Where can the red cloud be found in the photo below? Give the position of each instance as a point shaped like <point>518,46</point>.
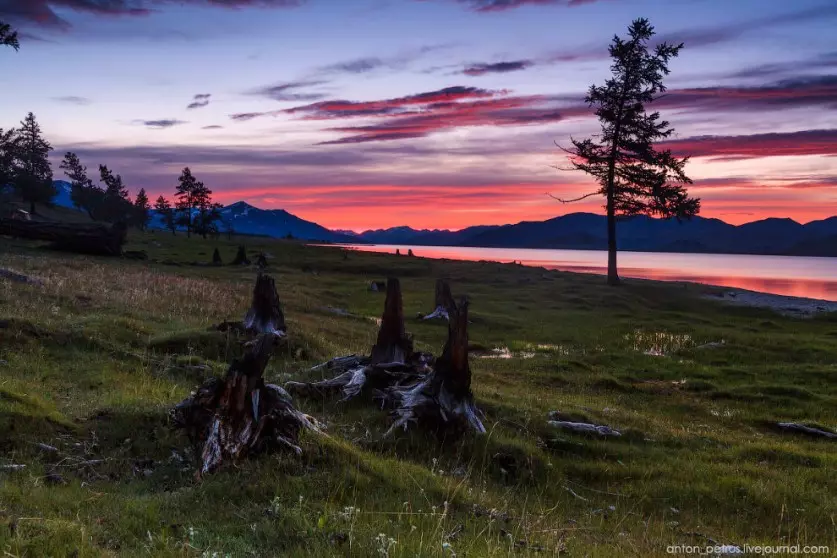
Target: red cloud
<point>807,142</point>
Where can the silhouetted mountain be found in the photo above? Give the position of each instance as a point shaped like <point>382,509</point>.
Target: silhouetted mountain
<point>579,231</point>
<point>587,231</point>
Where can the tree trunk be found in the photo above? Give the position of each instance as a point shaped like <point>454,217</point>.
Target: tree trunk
<point>265,314</point>
<point>84,238</point>
<point>443,302</point>
<point>612,272</point>
<point>32,207</point>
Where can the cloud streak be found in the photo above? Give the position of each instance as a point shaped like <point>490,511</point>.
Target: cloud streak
<point>488,6</point>
<point>199,101</point>
<point>807,142</point>
<point>162,124</point>
<point>42,12</point>
<point>497,68</point>
<point>290,91</point>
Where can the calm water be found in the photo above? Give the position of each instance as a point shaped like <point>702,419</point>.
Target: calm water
<point>785,275</point>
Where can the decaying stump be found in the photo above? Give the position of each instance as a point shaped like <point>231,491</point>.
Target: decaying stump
<point>444,395</point>
<point>240,415</point>
<point>261,261</point>
<point>265,312</point>
<point>377,286</point>
<point>241,257</point>
<point>392,360</point>
<point>444,301</point>
<point>84,238</point>
<point>216,258</point>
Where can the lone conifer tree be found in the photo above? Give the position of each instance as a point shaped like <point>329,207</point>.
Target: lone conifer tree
<point>8,36</point>
<point>163,207</point>
<point>33,177</point>
<point>634,177</point>
<point>185,196</point>
<point>8,157</point>
<point>84,194</point>
<point>141,208</point>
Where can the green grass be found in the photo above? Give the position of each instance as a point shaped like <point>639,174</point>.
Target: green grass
<point>93,360</point>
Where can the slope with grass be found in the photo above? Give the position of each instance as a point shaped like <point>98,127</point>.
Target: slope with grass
<point>92,360</point>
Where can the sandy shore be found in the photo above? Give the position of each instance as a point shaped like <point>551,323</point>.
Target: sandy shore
<point>788,305</point>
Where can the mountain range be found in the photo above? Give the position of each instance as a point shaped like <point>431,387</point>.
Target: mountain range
<point>580,231</point>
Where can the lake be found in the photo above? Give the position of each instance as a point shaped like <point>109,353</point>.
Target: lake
<point>784,275</point>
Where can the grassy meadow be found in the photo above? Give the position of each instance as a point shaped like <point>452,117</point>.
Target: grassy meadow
<point>93,358</point>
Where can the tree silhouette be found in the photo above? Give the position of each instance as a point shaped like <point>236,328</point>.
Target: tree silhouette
<point>84,194</point>
<point>634,177</point>
<point>185,193</point>
<point>163,207</point>
<point>8,36</point>
<point>141,209</point>
<point>116,206</point>
<point>8,156</point>
<point>33,175</point>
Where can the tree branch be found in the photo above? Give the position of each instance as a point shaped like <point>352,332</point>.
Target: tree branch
<point>574,199</point>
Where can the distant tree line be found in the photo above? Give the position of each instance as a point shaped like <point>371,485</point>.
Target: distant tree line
<point>25,168</point>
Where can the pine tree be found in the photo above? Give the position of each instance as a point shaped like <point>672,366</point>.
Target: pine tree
<point>8,36</point>
<point>141,209</point>
<point>116,204</point>
<point>8,157</point>
<point>84,194</point>
<point>33,176</point>
<point>208,212</point>
<point>163,207</point>
<point>634,177</point>
<point>184,194</point>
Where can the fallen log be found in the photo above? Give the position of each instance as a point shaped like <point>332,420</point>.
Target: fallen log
<point>392,359</point>
<point>443,301</point>
<point>228,419</point>
<point>443,396</point>
<point>83,238</point>
<point>807,430</point>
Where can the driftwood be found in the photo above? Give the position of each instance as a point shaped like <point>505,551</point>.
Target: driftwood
<point>808,430</point>
<point>216,258</point>
<point>392,359</point>
<point>241,257</point>
<point>84,238</point>
<point>265,312</point>
<point>443,301</point>
<point>230,418</point>
<point>443,396</point>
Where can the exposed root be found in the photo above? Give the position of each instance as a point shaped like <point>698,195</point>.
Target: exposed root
<point>240,415</point>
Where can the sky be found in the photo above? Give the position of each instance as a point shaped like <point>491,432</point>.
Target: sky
<point>362,114</point>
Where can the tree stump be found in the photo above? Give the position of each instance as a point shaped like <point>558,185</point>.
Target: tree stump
<point>230,418</point>
<point>261,261</point>
<point>265,312</point>
<point>392,359</point>
<point>443,301</point>
<point>442,397</point>
<point>241,257</point>
<point>216,258</point>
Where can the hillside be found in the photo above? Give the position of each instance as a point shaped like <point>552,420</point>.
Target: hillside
<point>94,357</point>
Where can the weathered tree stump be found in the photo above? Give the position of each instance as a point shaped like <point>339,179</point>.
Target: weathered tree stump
<point>230,418</point>
<point>392,359</point>
<point>216,258</point>
<point>261,261</point>
<point>442,397</point>
<point>443,301</point>
<point>265,312</point>
<point>83,238</point>
<point>241,257</point>
<point>377,286</point>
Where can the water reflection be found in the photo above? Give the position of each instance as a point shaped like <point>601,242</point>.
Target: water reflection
<point>785,275</point>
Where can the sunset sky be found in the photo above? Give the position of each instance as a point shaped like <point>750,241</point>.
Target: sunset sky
<point>363,114</point>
